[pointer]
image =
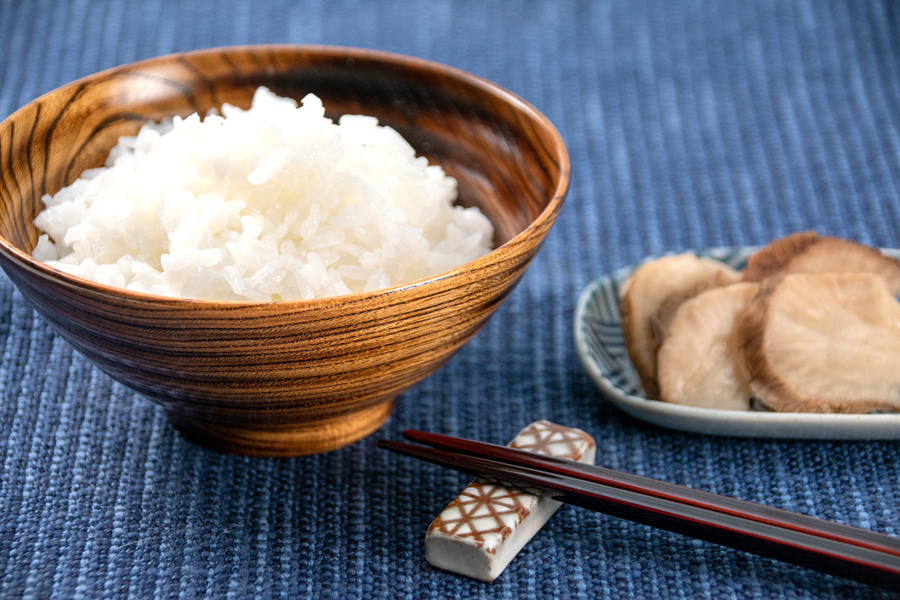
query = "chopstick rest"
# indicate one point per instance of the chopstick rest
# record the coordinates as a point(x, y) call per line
point(483, 529)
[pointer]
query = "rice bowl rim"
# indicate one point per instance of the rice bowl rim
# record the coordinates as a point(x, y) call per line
point(522, 106)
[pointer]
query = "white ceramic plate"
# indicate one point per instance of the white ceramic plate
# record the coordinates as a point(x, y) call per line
point(601, 347)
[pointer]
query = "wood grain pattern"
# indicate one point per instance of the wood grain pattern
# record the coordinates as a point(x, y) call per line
point(284, 378)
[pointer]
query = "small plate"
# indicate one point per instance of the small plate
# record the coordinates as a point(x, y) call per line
point(601, 347)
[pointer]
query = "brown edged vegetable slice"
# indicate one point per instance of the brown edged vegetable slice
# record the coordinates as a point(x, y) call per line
point(701, 360)
point(807, 252)
point(775, 256)
point(824, 343)
point(645, 291)
point(661, 321)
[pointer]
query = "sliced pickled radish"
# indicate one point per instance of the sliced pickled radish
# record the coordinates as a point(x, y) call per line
point(643, 294)
point(824, 343)
point(701, 359)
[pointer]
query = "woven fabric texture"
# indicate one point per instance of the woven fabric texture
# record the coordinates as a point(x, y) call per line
point(690, 124)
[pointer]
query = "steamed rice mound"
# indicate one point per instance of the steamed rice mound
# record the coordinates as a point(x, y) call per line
point(272, 203)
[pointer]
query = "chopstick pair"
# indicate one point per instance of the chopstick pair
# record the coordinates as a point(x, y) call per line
point(829, 547)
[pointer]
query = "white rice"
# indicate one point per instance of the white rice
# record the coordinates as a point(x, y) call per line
point(272, 203)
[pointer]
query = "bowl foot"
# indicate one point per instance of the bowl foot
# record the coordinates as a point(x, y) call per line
point(289, 440)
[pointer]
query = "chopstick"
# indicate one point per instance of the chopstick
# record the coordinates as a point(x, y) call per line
point(829, 547)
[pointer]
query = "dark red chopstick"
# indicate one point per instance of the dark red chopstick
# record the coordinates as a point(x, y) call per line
point(833, 548)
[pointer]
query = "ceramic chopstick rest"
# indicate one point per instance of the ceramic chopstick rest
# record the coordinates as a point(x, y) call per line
point(483, 529)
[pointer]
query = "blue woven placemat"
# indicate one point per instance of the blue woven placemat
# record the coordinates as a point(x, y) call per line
point(690, 124)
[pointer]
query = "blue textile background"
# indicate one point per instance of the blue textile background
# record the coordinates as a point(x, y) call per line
point(690, 124)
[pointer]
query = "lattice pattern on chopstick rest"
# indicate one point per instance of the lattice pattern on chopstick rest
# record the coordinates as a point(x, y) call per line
point(483, 529)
